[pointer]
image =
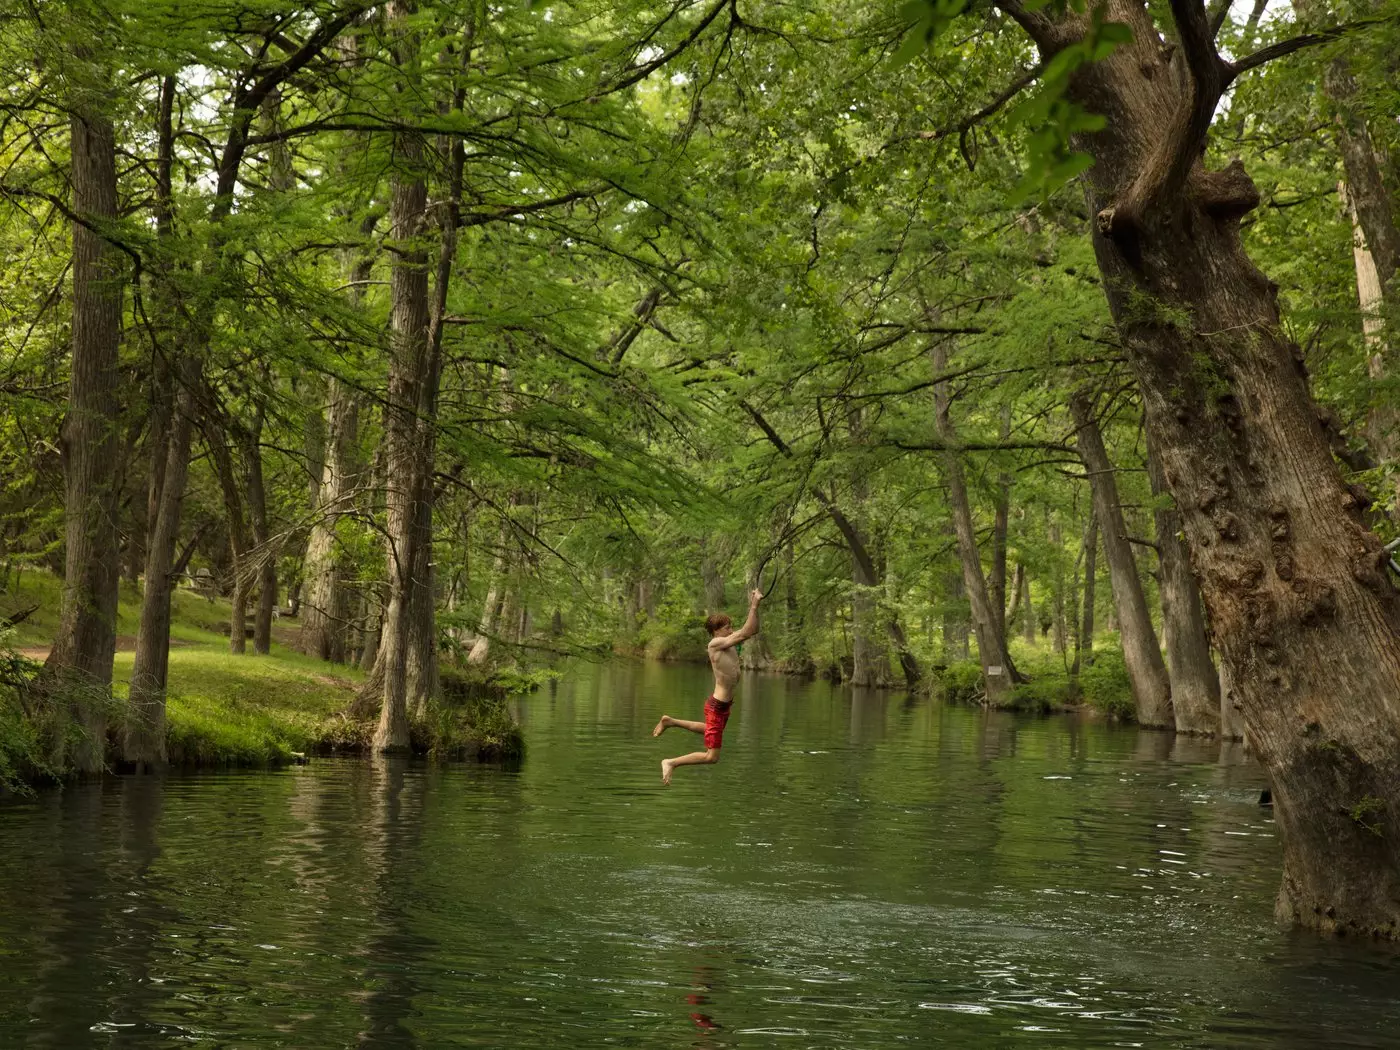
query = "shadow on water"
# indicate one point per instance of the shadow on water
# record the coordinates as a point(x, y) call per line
point(861, 869)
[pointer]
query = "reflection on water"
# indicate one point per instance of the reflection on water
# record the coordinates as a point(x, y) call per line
point(859, 871)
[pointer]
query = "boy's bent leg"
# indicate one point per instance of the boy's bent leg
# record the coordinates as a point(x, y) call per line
point(680, 723)
point(697, 758)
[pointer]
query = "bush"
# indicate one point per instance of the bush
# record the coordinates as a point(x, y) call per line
point(962, 682)
point(1105, 685)
point(1043, 695)
point(23, 749)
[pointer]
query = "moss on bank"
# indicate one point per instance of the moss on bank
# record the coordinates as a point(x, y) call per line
point(235, 710)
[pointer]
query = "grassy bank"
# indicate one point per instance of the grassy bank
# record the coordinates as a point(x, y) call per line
point(224, 709)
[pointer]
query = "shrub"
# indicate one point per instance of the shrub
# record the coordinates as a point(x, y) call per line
point(962, 682)
point(1105, 685)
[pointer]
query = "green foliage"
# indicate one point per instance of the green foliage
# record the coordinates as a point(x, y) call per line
point(1104, 685)
point(962, 682)
point(23, 754)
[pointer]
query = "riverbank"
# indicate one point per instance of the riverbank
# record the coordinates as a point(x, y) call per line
point(224, 709)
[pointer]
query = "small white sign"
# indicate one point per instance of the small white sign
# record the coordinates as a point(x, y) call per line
point(994, 671)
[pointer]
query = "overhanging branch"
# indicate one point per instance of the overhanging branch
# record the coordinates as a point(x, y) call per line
point(1298, 43)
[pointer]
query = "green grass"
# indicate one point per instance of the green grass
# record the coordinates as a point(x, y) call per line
point(227, 709)
point(194, 619)
point(250, 709)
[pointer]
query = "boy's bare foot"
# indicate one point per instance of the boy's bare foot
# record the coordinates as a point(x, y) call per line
point(662, 726)
point(666, 767)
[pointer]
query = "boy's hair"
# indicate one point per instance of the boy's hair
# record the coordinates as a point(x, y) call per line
point(715, 621)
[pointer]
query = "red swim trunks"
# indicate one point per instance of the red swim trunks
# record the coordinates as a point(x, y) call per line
point(716, 717)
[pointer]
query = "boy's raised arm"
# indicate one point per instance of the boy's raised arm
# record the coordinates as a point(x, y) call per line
point(749, 629)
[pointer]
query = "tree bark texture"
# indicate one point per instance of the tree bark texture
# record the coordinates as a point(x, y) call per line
point(997, 669)
point(83, 647)
point(1060, 635)
point(1001, 521)
point(216, 438)
point(1084, 640)
point(265, 556)
point(1306, 621)
point(1195, 682)
point(326, 613)
point(1146, 669)
point(408, 289)
point(870, 659)
point(144, 739)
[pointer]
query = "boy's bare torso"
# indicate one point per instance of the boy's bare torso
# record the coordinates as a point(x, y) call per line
point(726, 665)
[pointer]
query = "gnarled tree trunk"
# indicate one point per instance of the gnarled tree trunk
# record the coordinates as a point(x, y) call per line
point(1307, 623)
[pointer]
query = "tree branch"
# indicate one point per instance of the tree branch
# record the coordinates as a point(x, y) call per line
point(1019, 84)
point(981, 446)
point(1217, 17)
point(648, 68)
point(1164, 175)
point(1298, 43)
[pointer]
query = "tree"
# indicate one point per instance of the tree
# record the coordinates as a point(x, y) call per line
point(81, 657)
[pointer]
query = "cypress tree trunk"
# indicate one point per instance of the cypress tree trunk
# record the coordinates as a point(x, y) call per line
point(1195, 683)
point(262, 536)
point(996, 579)
point(1146, 670)
point(217, 441)
point(144, 739)
point(491, 607)
point(83, 647)
point(955, 626)
point(1091, 596)
point(1057, 584)
point(1028, 610)
point(869, 657)
point(1307, 623)
point(408, 365)
point(409, 293)
point(998, 672)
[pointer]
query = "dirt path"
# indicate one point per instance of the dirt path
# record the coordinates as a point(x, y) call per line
point(126, 643)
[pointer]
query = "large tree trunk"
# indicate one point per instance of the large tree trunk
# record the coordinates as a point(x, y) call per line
point(998, 672)
point(1307, 623)
point(1195, 682)
point(1146, 670)
point(409, 295)
point(83, 647)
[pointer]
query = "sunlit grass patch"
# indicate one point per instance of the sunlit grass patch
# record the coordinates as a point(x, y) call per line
point(248, 709)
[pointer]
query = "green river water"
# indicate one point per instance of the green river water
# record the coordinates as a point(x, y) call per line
point(859, 871)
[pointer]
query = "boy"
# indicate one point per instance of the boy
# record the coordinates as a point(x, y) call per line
point(725, 661)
